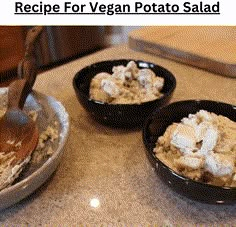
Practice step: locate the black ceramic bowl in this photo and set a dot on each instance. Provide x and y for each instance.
(156, 125)
(120, 115)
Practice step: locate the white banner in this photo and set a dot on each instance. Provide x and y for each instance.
(117, 12)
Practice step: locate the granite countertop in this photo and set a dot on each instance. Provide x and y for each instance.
(104, 176)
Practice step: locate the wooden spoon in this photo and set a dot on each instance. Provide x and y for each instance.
(19, 133)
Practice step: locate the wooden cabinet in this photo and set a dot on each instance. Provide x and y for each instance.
(11, 47)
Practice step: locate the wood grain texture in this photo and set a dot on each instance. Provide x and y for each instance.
(208, 47)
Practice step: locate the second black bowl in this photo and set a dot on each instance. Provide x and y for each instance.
(156, 125)
(120, 115)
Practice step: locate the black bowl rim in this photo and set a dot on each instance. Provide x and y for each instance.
(186, 179)
(169, 92)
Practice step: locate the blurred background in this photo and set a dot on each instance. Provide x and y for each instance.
(58, 45)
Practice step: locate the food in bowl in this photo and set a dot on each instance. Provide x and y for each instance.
(201, 147)
(126, 85)
(120, 115)
(10, 170)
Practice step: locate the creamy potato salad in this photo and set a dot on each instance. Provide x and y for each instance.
(9, 170)
(126, 85)
(202, 147)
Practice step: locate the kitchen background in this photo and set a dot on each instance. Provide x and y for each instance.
(58, 44)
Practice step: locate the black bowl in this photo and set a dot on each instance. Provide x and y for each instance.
(120, 115)
(156, 125)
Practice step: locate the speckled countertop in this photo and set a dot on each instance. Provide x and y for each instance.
(105, 176)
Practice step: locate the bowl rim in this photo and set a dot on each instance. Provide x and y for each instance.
(168, 93)
(158, 161)
(24, 182)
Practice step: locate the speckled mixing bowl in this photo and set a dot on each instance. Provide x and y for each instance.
(35, 174)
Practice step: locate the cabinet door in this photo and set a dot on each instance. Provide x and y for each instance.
(11, 47)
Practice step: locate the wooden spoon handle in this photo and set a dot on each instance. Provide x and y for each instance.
(17, 93)
(31, 38)
(27, 71)
(27, 67)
